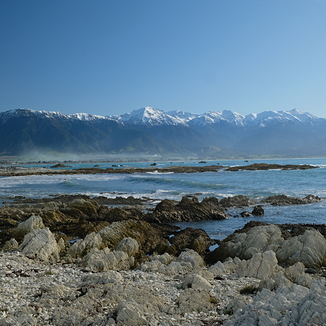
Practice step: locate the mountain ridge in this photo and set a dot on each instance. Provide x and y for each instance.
(148, 130)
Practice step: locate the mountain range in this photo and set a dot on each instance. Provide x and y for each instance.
(213, 134)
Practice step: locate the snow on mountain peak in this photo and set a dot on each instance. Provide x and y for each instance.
(302, 116)
(211, 117)
(232, 116)
(155, 117)
(151, 116)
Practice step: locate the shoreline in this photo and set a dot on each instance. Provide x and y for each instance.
(120, 266)
(45, 280)
(23, 171)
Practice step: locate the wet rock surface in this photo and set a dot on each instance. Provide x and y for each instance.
(265, 166)
(282, 200)
(20, 170)
(188, 209)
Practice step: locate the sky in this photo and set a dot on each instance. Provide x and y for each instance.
(109, 57)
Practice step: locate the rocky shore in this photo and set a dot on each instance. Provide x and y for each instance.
(16, 170)
(75, 260)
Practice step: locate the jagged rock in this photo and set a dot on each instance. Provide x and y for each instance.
(128, 245)
(191, 257)
(236, 201)
(245, 245)
(309, 248)
(84, 207)
(188, 261)
(195, 300)
(217, 269)
(304, 280)
(261, 265)
(191, 238)
(188, 209)
(40, 244)
(282, 200)
(130, 313)
(104, 260)
(11, 244)
(196, 282)
(278, 280)
(144, 233)
(61, 244)
(296, 305)
(258, 211)
(116, 214)
(82, 247)
(164, 259)
(292, 272)
(34, 222)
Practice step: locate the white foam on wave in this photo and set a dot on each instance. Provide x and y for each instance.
(8, 182)
(157, 172)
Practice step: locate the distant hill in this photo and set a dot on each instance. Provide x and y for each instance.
(152, 131)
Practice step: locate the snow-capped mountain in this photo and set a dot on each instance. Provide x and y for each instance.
(211, 134)
(48, 114)
(149, 116)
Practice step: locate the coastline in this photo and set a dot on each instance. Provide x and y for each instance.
(111, 276)
(21, 171)
(120, 266)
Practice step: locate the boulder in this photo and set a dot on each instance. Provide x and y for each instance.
(11, 244)
(308, 248)
(34, 222)
(196, 282)
(258, 211)
(188, 261)
(81, 207)
(191, 238)
(82, 247)
(40, 244)
(245, 214)
(128, 245)
(192, 258)
(144, 233)
(293, 271)
(188, 209)
(105, 259)
(245, 244)
(261, 265)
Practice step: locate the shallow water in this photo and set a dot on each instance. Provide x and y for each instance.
(158, 186)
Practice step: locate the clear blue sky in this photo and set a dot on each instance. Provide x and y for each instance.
(110, 57)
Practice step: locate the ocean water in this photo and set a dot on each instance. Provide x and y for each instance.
(157, 186)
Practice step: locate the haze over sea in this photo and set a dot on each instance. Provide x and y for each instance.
(158, 186)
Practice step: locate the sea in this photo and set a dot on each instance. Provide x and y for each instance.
(155, 186)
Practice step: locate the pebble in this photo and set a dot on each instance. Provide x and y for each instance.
(37, 293)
